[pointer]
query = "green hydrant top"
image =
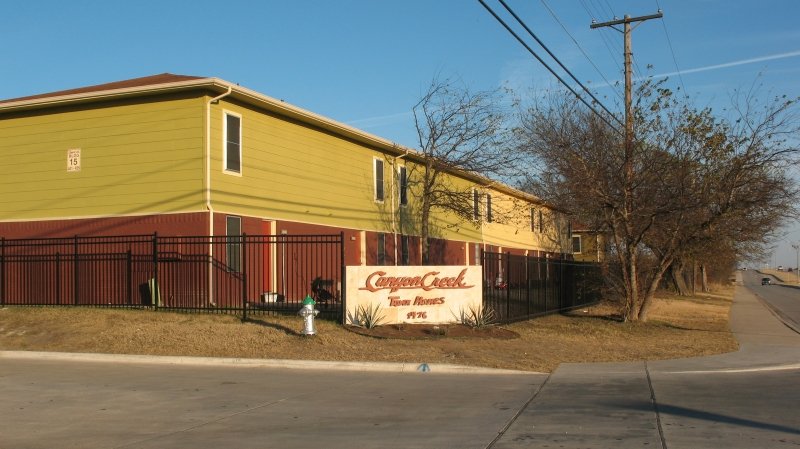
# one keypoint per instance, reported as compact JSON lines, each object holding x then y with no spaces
{"x":308,"y":301}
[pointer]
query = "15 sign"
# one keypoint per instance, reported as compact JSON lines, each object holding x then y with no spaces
{"x":74,"y":159}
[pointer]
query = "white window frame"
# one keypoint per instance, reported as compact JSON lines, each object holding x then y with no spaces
{"x":225,"y":169}
{"x":375,"y":161}
{"x":580,"y":244}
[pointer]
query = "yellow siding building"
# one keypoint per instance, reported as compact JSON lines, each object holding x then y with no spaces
{"x":184,"y":155}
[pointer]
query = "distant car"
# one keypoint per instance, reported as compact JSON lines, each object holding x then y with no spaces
{"x":780,"y":267}
{"x":766,"y":281}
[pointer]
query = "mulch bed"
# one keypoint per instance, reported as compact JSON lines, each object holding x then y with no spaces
{"x":433,"y":331}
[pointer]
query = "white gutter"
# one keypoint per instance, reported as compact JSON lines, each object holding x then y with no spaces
{"x":207,"y":183}
{"x":396,"y":210}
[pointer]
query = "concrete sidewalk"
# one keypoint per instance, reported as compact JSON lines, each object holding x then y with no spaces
{"x":743,"y":399}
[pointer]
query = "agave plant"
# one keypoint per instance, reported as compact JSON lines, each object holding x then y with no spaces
{"x":368,"y":316}
{"x":478,"y":317}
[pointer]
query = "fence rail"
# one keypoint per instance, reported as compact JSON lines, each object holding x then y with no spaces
{"x":250,"y":274}
{"x":244,"y":274}
{"x":520,"y":287}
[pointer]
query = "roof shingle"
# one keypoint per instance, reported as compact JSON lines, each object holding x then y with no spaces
{"x":161,"y":78}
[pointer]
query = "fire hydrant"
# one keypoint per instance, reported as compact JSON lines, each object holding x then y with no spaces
{"x":308,"y":312}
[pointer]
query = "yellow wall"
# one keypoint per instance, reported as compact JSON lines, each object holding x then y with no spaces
{"x":589,"y":247}
{"x":292,"y":171}
{"x":147,"y":155}
{"x":136,"y":158}
{"x":511,"y":225}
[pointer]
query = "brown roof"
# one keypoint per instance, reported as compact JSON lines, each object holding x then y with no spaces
{"x":162,"y":78}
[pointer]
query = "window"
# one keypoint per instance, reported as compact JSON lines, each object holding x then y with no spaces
{"x":476,"y":205}
{"x":488,"y":208}
{"x":541,"y":222}
{"x":233,"y":244}
{"x":378,"y":165}
{"x":533,"y":219}
{"x":404,"y":250}
{"x":233,"y":143}
{"x":576,"y":244}
{"x":403,"y":181}
{"x":381,"y":256}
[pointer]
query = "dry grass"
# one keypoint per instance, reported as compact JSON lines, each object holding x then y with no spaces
{"x":783,"y":277}
{"x":678,"y":327}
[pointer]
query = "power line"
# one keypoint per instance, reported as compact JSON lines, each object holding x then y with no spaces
{"x":552,"y":13}
{"x":541,"y":61}
{"x":605,"y":39}
{"x":539,"y":41}
{"x":674,"y":59}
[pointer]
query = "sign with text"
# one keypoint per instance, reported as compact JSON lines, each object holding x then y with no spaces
{"x":412,"y":294}
{"x":74,"y":159}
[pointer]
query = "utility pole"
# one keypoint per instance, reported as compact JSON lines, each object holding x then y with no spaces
{"x":628,"y":184}
{"x":628,"y":53}
{"x":796,"y":247}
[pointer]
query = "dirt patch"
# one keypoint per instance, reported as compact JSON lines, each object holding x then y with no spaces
{"x":679,"y":327}
{"x":430,"y":331}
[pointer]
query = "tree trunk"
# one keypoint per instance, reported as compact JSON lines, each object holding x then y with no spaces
{"x":704,"y":278}
{"x":651,"y":290}
{"x":677,"y":274}
{"x":424,"y":231}
{"x":632,"y":289}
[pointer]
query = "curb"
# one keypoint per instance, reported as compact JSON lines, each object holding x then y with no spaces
{"x":389,"y":367}
{"x":778,"y":314}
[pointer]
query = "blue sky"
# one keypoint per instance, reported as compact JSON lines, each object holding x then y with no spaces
{"x":366,"y":63}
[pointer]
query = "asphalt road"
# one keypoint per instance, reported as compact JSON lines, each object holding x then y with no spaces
{"x":783,"y":299}
{"x":746,"y":399}
{"x":54,"y":404}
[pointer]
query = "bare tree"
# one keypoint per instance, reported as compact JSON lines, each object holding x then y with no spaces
{"x":694,"y":180}
{"x":457,"y":130}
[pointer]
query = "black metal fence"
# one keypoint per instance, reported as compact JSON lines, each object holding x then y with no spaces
{"x":519,"y":287}
{"x":242,"y":274}
{"x":250,"y":274}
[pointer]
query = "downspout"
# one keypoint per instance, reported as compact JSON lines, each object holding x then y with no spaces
{"x":209,"y":207}
{"x":395,"y":209}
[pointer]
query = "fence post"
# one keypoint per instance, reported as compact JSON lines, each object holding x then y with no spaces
{"x":244,"y":276}
{"x":343,"y":277}
{"x":129,"y":270}
{"x":58,"y":278}
{"x":155,"y":294}
{"x":527,"y":285}
{"x":2,"y":271}
{"x":546,"y":283}
{"x":75,"y":274}
{"x":508,"y":285}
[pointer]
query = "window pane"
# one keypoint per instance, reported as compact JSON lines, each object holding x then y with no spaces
{"x":233,"y":143}
{"x":381,"y":249}
{"x":404,"y":249}
{"x":403,"y":186}
{"x":476,"y":211}
{"x":378,"y":180}
{"x":489,"y":208}
{"x":576,"y":244}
